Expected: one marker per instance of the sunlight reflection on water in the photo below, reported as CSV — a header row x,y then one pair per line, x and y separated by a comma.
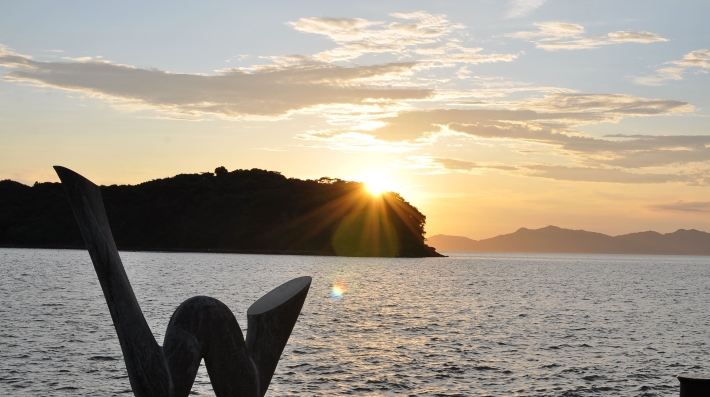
x,y
467,325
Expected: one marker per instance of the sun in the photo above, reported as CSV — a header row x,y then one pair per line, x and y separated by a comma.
x,y
377,182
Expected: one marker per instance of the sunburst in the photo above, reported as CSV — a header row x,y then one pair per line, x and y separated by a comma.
x,y
378,182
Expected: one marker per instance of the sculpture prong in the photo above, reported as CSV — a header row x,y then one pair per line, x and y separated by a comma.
x,y
270,322
142,354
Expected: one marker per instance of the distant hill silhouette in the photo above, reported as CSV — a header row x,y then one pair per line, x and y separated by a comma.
x,y
240,211
555,239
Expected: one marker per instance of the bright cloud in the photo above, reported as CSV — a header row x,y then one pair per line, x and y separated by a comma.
x,y
553,36
356,37
695,60
521,8
416,34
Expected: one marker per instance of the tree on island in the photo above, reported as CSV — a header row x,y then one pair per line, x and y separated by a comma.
x,y
242,210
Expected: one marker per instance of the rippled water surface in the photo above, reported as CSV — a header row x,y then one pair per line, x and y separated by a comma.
x,y
467,325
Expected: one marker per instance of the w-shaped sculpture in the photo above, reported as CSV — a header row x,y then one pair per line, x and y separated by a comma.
x,y
201,327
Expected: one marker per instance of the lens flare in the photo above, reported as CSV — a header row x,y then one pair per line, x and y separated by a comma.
x,y
338,290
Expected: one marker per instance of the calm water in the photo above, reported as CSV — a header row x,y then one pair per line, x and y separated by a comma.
x,y
468,325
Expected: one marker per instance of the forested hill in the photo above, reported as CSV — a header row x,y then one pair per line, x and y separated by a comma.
x,y
239,211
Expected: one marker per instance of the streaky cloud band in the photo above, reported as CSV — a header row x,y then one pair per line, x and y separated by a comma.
x,y
266,92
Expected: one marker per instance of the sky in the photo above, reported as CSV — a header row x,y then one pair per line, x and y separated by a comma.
x,y
488,116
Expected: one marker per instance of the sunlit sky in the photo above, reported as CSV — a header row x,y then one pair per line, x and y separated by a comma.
x,y
486,115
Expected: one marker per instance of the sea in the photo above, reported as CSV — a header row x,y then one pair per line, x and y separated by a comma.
x,y
471,324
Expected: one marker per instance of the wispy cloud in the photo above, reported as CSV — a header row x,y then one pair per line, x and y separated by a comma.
x,y
354,141
521,8
439,165
682,206
592,108
638,151
79,59
419,34
610,175
447,164
268,91
698,60
553,36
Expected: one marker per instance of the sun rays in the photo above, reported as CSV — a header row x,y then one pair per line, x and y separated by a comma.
x,y
361,220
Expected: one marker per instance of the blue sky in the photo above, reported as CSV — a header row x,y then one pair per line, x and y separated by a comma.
x,y
486,115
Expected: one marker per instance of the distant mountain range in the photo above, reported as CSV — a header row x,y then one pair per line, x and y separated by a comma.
x,y
557,240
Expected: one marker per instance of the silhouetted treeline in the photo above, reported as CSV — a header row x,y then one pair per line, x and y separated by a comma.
x,y
240,211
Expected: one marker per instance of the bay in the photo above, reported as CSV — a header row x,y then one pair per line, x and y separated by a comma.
x,y
467,325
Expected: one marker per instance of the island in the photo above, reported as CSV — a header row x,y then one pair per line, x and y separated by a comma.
x,y
242,211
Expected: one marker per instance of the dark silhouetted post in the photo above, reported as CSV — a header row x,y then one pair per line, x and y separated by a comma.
x,y
694,385
200,328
